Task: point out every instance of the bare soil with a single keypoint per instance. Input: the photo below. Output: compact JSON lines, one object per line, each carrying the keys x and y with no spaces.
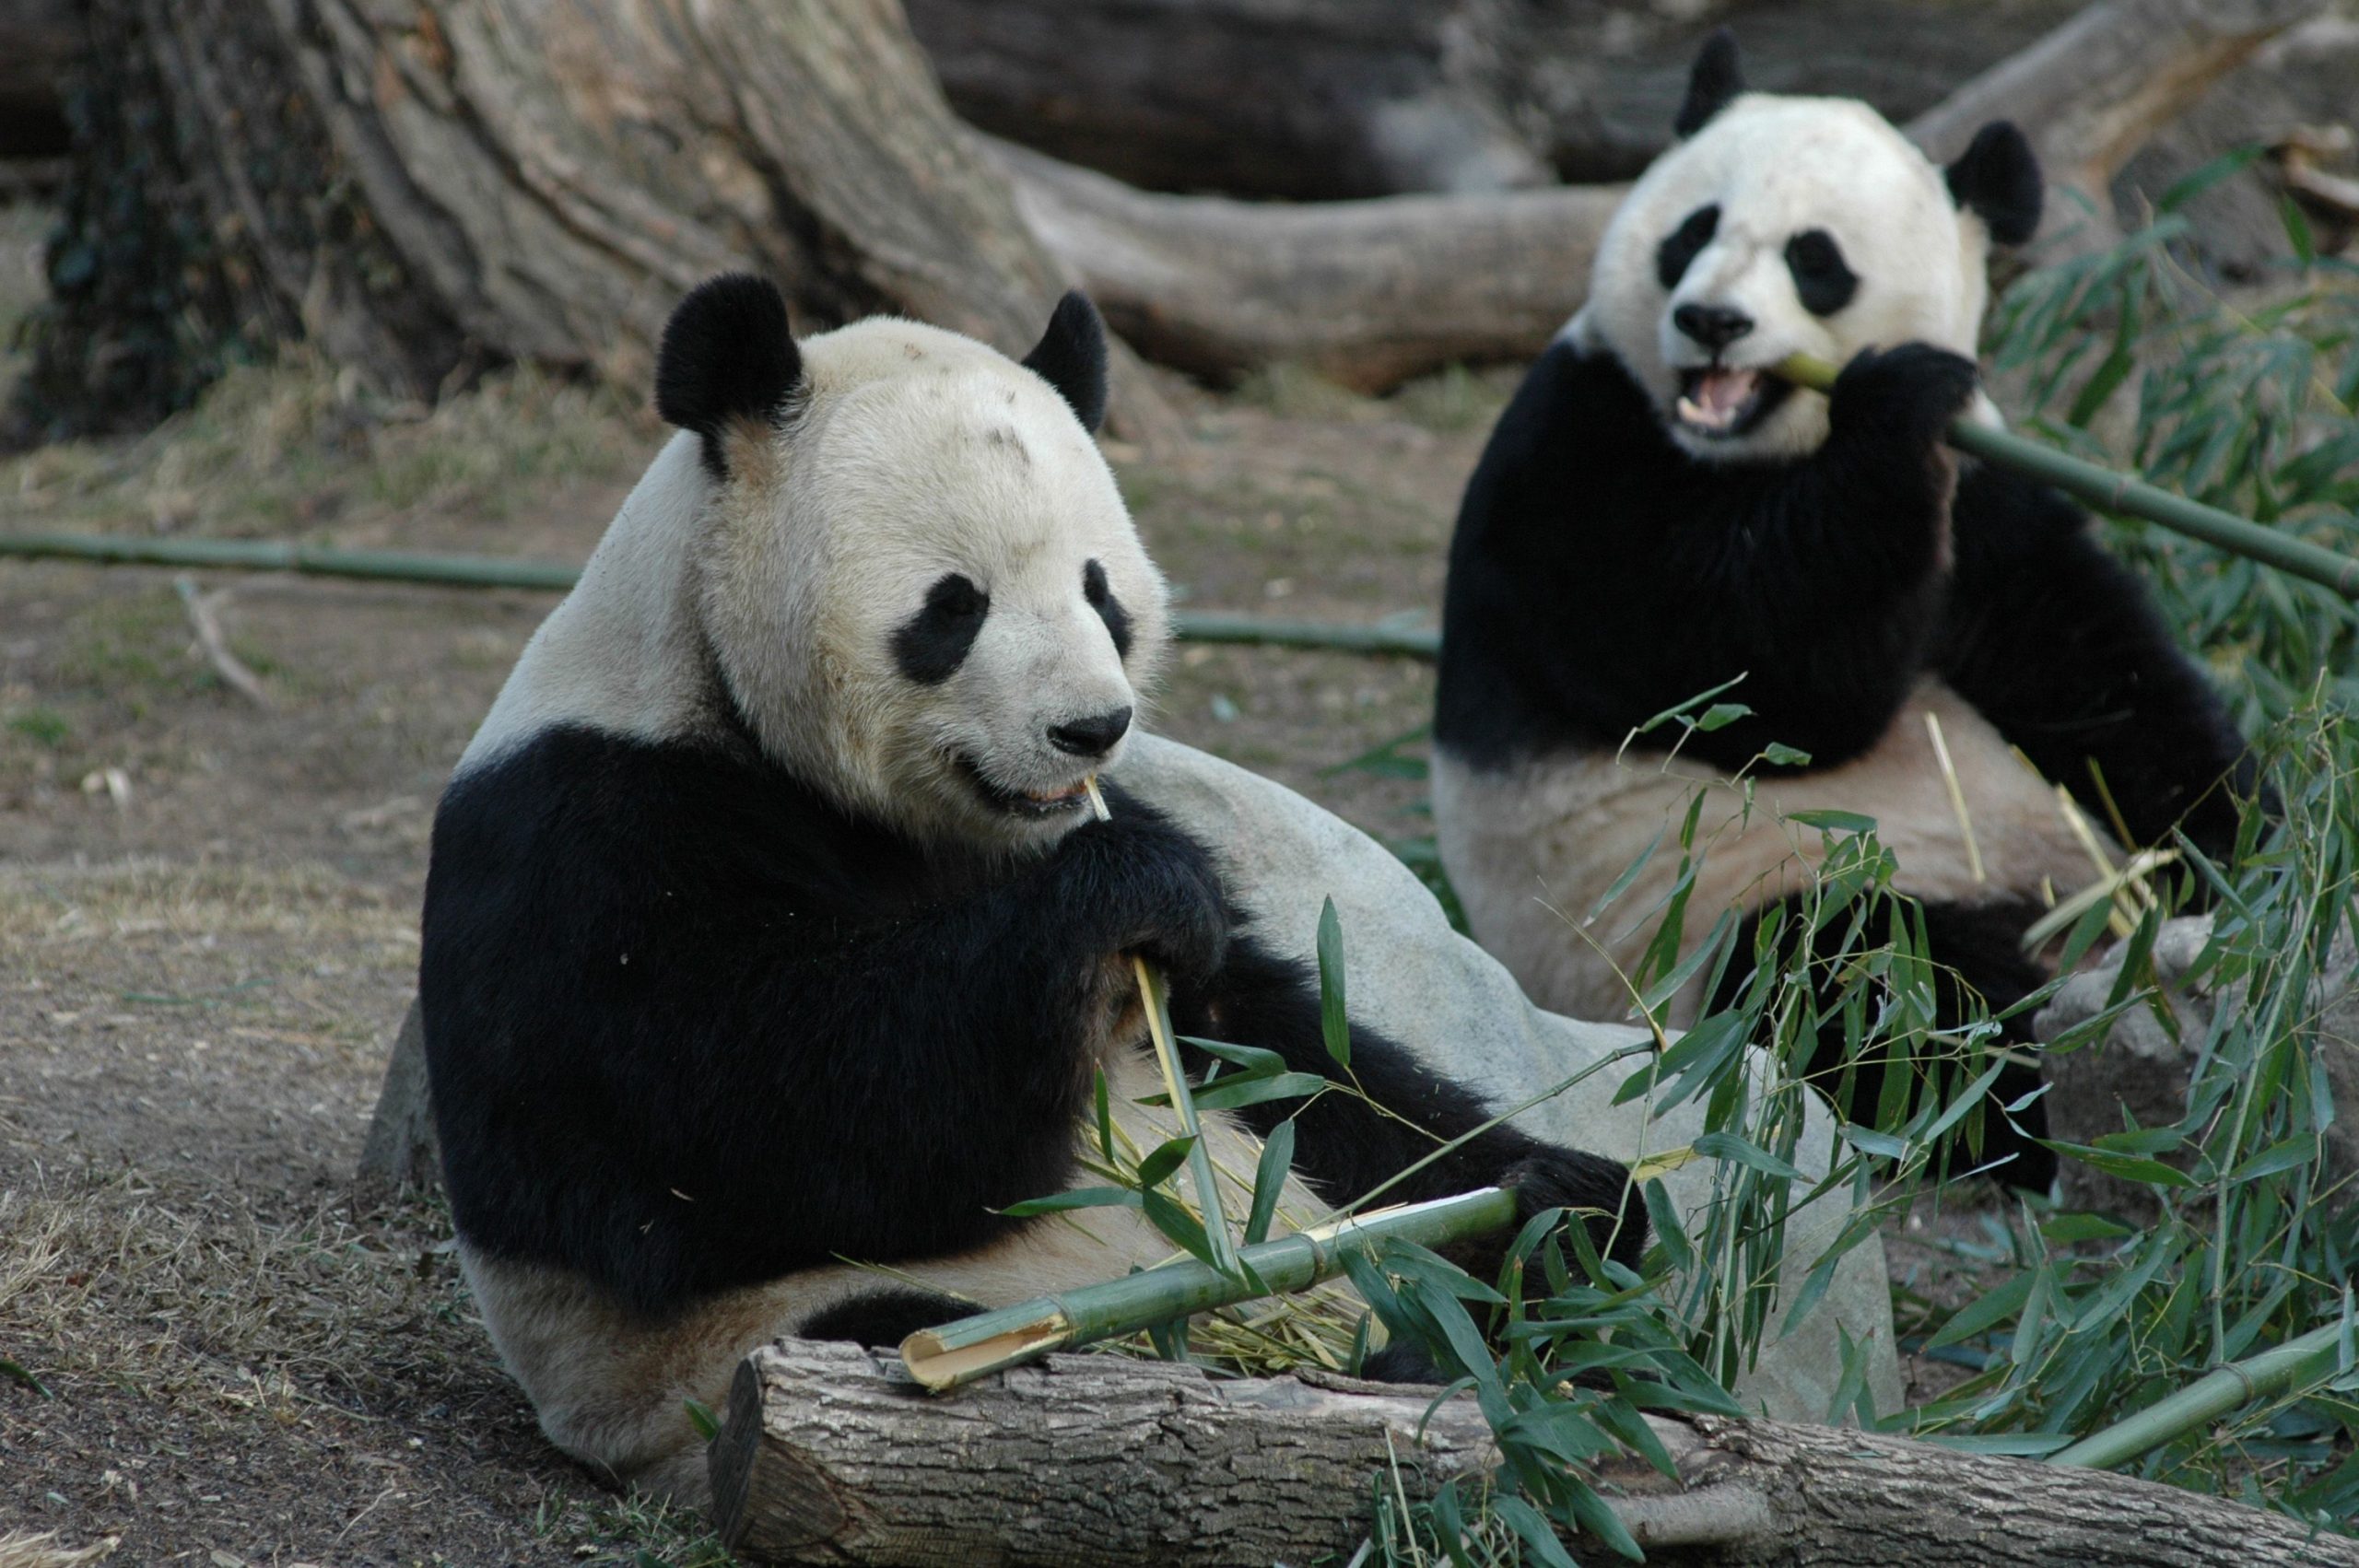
{"x":211,"y":1352}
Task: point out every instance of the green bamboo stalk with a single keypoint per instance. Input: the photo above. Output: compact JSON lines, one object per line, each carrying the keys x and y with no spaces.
{"x":1412,"y":642}
{"x":269,"y":555}
{"x":477,"y":572}
{"x":973,"y":1347}
{"x":2112,"y":492}
{"x":2208,"y":1398}
{"x":1154,"y":997}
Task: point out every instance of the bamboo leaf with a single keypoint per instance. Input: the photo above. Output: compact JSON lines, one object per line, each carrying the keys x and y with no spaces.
{"x":1334,"y":1021}
{"x":1269,"y":1181}
{"x":1232,"y":1093}
{"x":1166,"y":1158}
{"x":1079,"y":1198}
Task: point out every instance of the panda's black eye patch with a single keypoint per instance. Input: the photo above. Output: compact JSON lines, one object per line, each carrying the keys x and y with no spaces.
{"x":932,"y":644}
{"x":1822,"y":279}
{"x":1109,"y":609}
{"x":1687,"y":242}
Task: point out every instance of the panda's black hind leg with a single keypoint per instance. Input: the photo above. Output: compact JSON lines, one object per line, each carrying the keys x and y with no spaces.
{"x":1977,"y":948}
{"x":885,"y":1316}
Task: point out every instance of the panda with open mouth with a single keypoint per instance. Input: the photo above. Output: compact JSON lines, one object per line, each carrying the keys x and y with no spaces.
{"x":769,"y":952}
{"x":1931,"y":642}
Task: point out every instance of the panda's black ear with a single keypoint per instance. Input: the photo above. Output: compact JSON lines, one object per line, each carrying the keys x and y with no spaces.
{"x":1998,"y":179}
{"x":1071,"y":357}
{"x":728,"y":353}
{"x":1714,"y":79}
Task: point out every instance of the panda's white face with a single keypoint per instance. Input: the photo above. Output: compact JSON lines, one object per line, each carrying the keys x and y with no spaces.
{"x":924,"y":591}
{"x":1781,"y":225}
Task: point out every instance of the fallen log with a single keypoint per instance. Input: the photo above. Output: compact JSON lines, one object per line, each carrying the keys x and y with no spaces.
{"x":1371,"y":293}
{"x":1367,"y":293}
{"x":830,"y":1454}
{"x":1300,"y":100}
{"x":2091,"y":93}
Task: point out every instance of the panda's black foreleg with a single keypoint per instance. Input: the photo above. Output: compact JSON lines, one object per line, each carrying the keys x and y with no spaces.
{"x":1346,"y":1147}
{"x":1979,"y":953}
{"x":2059,"y":646}
{"x":885,"y":1316}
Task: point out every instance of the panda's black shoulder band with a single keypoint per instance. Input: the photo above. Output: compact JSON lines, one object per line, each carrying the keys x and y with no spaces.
{"x":728,"y":353}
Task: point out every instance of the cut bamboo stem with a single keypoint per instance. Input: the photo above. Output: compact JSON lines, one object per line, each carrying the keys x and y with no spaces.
{"x":1157,"y":1002}
{"x":2112,"y":492}
{"x":960,"y":1352}
{"x":478,"y":571}
{"x":2216,"y":1393}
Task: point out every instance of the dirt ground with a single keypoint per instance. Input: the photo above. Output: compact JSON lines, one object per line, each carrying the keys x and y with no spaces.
{"x":210,"y":1352}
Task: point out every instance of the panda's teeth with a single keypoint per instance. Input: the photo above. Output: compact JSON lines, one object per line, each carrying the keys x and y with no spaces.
{"x":1705,"y":418}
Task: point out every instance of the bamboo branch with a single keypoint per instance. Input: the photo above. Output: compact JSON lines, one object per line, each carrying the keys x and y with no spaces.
{"x":478,"y":571}
{"x":2112,"y":492}
{"x":1156,"y":1000}
{"x":215,"y":646}
{"x":2223,"y":1389}
{"x":992,"y":1341}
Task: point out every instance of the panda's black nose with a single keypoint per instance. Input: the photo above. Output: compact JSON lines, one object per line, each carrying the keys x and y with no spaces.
{"x":1714,"y":326}
{"x":1091,"y":737}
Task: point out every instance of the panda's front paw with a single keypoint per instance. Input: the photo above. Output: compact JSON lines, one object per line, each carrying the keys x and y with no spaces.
{"x":1159,"y":891}
{"x":1910,"y":393}
{"x":1597,"y":1190}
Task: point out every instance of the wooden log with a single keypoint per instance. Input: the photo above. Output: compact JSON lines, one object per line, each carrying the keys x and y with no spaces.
{"x":1372,"y":293}
{"x":2091,"y":93}
{"x":831,"y":1454}
{"x":1367,"y":293}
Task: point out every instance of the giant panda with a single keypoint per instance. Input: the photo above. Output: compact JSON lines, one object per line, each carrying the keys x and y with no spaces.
{"x":769,"y":938}
{"x":1657,"y":515}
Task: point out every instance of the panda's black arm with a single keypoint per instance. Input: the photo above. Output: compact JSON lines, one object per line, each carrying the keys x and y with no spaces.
{"x":1602,"y":576}
{"x":1345,"y":1147}
{"x":2061,"y":647}
{"x":657,"y":1062}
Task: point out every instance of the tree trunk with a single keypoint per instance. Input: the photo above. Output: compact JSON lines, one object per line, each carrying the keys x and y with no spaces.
{"x":830,"y":1455}
{"x":424,"y":187}
{"x":1304,"y":100}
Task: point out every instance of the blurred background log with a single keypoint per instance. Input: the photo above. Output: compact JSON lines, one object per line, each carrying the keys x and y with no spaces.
{"x":1304,"y":100}
{"x":422,"y":189}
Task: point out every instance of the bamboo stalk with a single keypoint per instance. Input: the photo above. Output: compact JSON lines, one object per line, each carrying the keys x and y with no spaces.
{"x":2112,"y":492}
{"x":1157,"y":1002}
{"x":2216,"y":1393}
{"x":973,"y":1347}
{"x":478,"y":571}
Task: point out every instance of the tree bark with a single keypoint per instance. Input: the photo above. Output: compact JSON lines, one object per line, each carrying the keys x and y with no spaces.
{"x":424,"y":187}
{"x":830,"y":1455}
{"x":2091,"y":93}
{"x":1367,"y":293}
{"x":1302,"y":100}
{"x":1372,"y":293}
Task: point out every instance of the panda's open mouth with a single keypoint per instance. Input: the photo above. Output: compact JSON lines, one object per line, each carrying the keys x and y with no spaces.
{"x":1721,"y":400}
{"x":1024,"y":803}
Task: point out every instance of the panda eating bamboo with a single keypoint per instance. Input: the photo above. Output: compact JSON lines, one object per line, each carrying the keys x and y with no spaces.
{"x":1932,"y":643}
{"x":768,"y":939}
